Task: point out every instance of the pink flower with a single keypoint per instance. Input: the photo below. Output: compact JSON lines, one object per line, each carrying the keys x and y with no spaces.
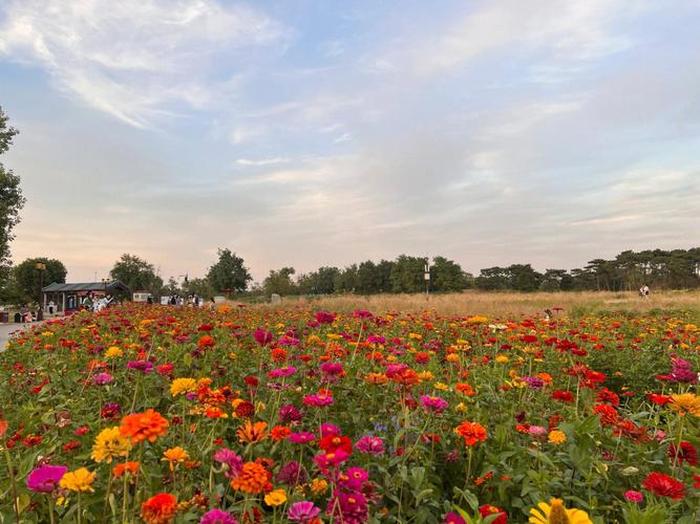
{"x":370,"y":445}
{"x":217,"y":516}
{"x":318,"y":400}
{"x":262,"y":336}
{"x":101,"y":379}
{"x":433,"y":404}
{"x":326,"y":461}
{"x":634,"y":496}
{"x":303,"y":512}
{"x":45,"y":479}
{"x":537,"y":431}
{"x":301,"y":437}
{"x":325,"y":317}
{"x":282,"y":372}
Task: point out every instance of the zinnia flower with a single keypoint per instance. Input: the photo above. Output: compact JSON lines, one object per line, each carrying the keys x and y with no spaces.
{"x":686,"y":452}
{"x":556,"y":437}
{"x":252,"y":432}
{"x":182,"y":385}
{"x":276,"y":497}
{"x":159,"y":509}
{"x":663,"y":485}
{"x":45,"y":479}
{"x":556,"y":513}
{"x":148,"y":425}
{"x":303,"y":512}
{"x":217,"y":516}
{"x":471,"y":432}
{"x":685,"y":403}
{"x":634,"y":496}
{"x":371,"y":445}
{"x":231,"y":460}
{"x":79,"y":480}
{"x":253,"y":478}
{"x":110,"y":444}
{"x":176,"y":455}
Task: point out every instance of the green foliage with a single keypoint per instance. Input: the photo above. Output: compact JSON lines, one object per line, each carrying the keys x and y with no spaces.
{"x":198,"y":286}
{"x":137,"y":274}
{"x":228,"y":274}
{"x":407,"y":275}
{"x":280,"y":282}
{"x":28,"y":279}
{"x":320,"y":282}
{"x":11,"y":201}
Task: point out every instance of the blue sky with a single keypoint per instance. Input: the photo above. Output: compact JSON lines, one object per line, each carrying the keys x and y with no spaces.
{"x":311,"y":133}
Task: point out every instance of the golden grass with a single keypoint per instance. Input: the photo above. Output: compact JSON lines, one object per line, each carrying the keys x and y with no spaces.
{"x":507,"y":304}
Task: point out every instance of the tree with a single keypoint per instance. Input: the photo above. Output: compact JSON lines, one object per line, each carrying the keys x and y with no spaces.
{"x":407,"y":275}
{"x":447,"y":275}
{"x":321,"y":282}
{"x":228,"y":274}
{"x":11,"y":201}
{"x":280,"y":282}
{"x":29,"y":279}
{"x":136,"y":274}
{"x":199,"y":287}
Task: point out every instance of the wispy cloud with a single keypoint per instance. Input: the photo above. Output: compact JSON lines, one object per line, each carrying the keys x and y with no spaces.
{"x":134,"y":59}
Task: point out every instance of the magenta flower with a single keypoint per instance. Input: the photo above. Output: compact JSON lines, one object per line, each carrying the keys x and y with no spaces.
{"x":330,"y":430}
{"x":325,"y":317}
{"x":370,"y":445}
{"x":262,"y":336}
{"x":140,"y":365}
{"x":354,"y":478}
{"x":537,"y":431}
{"x":326,"y":461}
{"x":101,"y":379}
{"x":433,"y":404}
{"x":634,"y":496}
{"x":217,"y":516}
{"x":292,"y":474}
{"x":318,"y":400}
{"x":453,"y":518}
{"x":231,"y":460}
{"x":301,"y":437}
{"x":289,"y":413}
{"x":44,"y":479}
{"x":348,"y":507}
{"x":282,"y":372}
{"x":303,"y":512}
{"x":361,"y":313}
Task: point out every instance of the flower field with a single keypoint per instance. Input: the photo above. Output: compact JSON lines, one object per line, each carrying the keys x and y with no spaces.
{"x":159,"y":414}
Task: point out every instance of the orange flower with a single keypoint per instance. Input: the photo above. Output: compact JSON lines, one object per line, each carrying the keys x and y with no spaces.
{"x":465,"y":389}
{"x":127,"y":467}
{"x":280,"y":433}
{"x":205,"y":341}
{"x":148,"y":425}
{"x":176,"y":455}
{"x":376,"y":378}
{"x":159,"y":509}
{"x":252,"y":432}
{"x":253,"y":479}
{"x":471,"y":432}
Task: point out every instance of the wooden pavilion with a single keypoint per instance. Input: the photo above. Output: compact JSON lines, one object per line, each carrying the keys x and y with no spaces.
{"x":68,"y":297}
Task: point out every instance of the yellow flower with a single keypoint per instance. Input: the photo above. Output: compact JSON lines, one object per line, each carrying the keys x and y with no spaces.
{"x":556,"y":437}
{"x":182,"y":385}
{"x":176,"y":455}
{"x":415,"y":336}
{"x":113,"y":352}
{"x":452,"y":357}
{"x":425,"y":376}
{"x":556,"y":513}
{"x":461,"y":407}
{"x":441,"y":386}
{"x":686,"y":403}
{"x":502,"y":359}
{"x":477,"y":319}
{"x":318,"y":486}
{"x":276,"y":497}
{"x":110,"y":444}
{"x":79,"y":480}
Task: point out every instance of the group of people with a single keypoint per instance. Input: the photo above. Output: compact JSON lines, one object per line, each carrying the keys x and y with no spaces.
{"x":644,"y":291}
{"x":192,"y":299}
{"x":90,"y":303}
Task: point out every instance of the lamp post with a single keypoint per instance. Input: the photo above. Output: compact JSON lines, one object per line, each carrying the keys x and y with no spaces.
{"x":40,"y":267}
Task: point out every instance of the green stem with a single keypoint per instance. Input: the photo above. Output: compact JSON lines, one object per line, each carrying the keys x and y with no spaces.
{"x":13,"y":483}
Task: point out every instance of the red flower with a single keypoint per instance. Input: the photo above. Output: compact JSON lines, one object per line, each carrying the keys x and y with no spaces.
{"x":332,"y":443}
{"x":159,"y":509}
{"x":471,"y":432}
{"x":487,"y":510}
{"x":685,"y":453}
{"x":662,"y":485}
{"x":563,"y":396}
{"x":608,"y":414}
{"x":659,"y":400}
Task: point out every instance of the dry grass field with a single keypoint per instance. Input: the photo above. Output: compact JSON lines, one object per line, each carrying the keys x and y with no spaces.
{"x":507,"y":304}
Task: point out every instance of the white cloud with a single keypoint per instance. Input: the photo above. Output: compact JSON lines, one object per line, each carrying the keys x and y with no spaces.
{"x":133,"y":58}
{"x":261,"y":161}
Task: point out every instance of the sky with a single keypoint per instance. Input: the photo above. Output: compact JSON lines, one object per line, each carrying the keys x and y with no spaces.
{"x":307,"y":133}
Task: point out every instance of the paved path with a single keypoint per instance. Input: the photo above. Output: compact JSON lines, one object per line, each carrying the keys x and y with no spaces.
{"x":6,"y":329}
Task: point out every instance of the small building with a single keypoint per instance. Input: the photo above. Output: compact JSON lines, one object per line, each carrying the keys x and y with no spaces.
{"x":142,"y":296}
{"x":68,"y":297}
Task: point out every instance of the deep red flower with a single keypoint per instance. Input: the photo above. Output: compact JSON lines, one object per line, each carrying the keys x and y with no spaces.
{"x":487,"y":510}
{"x":686,"y":452}
{"x":663,"y":485}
